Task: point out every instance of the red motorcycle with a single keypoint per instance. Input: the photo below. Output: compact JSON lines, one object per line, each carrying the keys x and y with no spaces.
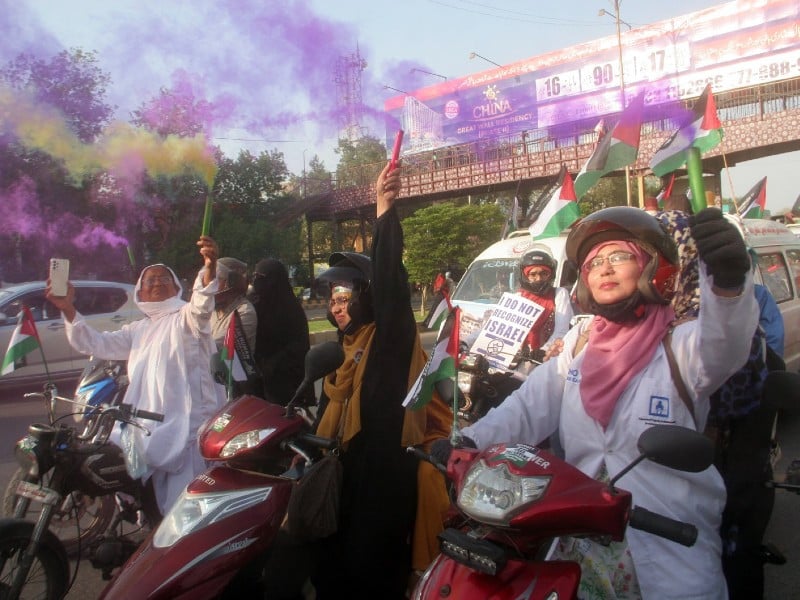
{"x":215,"y":539}
{"x":516,"y":498}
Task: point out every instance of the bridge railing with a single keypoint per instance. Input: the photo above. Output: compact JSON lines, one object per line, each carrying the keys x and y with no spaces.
{"x":539,"y":153}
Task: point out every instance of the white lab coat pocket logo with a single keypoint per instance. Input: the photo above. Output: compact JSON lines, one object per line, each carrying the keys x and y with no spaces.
{"x":659,"y":407}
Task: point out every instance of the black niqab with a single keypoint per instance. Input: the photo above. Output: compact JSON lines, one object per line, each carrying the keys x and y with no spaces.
{"x":282,"y":334}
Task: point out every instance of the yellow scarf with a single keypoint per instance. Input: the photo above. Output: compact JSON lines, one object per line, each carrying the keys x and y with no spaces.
{"x":343,"y":389}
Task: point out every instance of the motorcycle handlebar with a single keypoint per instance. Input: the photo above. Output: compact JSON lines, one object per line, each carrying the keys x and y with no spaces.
{"x":422,"y":455}
{"x":318,"y":441}
{"x":671,"y":529}
{"x":146,"y":414}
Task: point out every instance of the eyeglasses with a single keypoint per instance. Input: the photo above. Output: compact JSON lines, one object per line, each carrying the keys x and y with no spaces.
{"x":151,"y":281}
{"x":538,"y":274}
{"x":614,"y":259}
{"x":341,"y":301}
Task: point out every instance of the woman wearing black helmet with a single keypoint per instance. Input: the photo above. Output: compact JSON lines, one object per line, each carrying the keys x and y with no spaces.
{"x":613,"y":380}
{"x":370,"y":304}
{"x":537,"y":274}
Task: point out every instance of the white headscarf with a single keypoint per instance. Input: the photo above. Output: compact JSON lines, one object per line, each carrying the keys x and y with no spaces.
{"x":156,"y":310}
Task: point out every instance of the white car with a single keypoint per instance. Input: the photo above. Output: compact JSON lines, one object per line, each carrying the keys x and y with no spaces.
{"x":106,"y":305}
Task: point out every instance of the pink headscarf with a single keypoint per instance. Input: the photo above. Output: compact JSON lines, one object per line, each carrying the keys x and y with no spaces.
{"x":616,"y":352}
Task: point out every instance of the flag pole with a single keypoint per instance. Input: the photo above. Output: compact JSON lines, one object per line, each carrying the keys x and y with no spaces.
{"x":44,"y":362}
{"x":41,"y":351}
{"x":455,"y":432}
{"x":230,"y":379}
{"x":694,"y":167}
{"x":207,"y":216}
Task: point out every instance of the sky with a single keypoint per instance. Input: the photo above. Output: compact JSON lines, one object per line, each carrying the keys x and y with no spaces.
{"x":267,"y":66}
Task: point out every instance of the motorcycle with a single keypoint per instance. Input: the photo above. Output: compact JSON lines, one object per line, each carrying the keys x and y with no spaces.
{"x":483,"y":387}
{"x":516,"y":498}
{"x":81,"y":518}
{"x":216,"y":538}
{"x":59,"y":460}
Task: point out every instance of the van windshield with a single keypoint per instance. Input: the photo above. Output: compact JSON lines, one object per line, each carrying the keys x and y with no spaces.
{"x":486,"y":280}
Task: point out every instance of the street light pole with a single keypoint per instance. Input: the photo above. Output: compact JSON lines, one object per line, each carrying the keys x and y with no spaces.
{"x":388,"y":87}
{"x":475,"y":54}
{"x":428,"y":73}
{"x":618,"y":21}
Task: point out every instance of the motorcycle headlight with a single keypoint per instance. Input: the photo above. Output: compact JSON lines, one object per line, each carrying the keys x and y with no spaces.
{"x":493,"y":495}
{"x":26,"y":455}
{"x":245,"y":440}
{"x":194,"y":511}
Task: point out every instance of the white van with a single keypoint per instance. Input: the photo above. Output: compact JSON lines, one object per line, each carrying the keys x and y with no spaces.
{"x":496,"y":270}
{"x":778,"y":251}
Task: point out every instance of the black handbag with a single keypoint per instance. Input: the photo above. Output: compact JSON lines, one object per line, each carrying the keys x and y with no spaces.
{"x":313,"y":511}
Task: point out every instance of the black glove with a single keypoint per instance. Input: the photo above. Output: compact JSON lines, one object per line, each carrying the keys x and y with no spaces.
{"x":721,"y":247}
{"x":442,"y":448}
{"x":530,"y":354}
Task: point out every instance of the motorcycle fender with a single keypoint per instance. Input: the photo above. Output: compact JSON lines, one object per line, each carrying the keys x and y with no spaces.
{"x":202,"y":563}
{"x":521,"y":580}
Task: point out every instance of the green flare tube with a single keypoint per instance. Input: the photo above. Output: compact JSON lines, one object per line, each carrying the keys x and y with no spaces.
{"x":130,"y":257}
{"x":207,"y":216}
{"x":694,"y":166}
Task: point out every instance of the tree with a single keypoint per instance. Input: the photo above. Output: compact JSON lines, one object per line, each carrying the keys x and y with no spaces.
{"x":360,"y":161}
{"x":72,"y":82}
{"x":445,"y":235}
{"x":175,"y":111}
{"x":249,"y":193}
{"x":251,"y":180}
{"x":61,"y":218}
{"x":608,"y":191}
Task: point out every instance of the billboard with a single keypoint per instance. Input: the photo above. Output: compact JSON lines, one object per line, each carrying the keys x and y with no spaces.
{"x":730,"y":46}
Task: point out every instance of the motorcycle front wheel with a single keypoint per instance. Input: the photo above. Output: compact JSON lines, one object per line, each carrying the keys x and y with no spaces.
{"x":48,"y":576}
{"x":92,"y":515}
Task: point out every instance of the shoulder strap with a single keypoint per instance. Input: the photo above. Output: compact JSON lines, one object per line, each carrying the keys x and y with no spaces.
{"x":676,"y":374}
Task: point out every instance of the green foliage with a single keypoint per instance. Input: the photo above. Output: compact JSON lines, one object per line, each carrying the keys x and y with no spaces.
{"x":174,"y":112}
{"x":316,"y":179}
{"x":71,"y":81}
{"x":248,"y":194}
{"x":445,"y":235}
{"x":608,"y":191}
{"x":360,"y":162}
{"x":251,"y":180}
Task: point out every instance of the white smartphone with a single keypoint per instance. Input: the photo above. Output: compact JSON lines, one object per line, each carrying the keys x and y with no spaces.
{"x":59,"y":276}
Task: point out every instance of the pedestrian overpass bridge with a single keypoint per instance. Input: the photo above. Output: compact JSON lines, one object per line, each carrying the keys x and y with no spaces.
{"x":758,"y":121}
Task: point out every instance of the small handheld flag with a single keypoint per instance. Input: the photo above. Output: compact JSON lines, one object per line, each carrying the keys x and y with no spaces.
{"x":24,"y":340}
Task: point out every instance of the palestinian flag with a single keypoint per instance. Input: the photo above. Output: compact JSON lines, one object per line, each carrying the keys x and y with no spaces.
{"x":559,"y":213}
{"x":235,"y":353}
{"x":511,"y":223}
{"x":441,"y":311}
{"x":702,"y":130}
{"x":442,"y":364}
{"x":754,"y":203}
{"x":616,"y":150}
{"x":666,"y":192}
{"x":24,"y":340}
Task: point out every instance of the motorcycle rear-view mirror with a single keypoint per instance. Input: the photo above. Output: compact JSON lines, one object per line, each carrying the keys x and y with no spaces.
{"x":321,"y":359}
{"x":672,"y":446}
{"x":677,"y":448}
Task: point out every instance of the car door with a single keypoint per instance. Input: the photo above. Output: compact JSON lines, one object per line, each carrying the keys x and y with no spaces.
{"x":50,"y":329}
{"x":104,"y":308}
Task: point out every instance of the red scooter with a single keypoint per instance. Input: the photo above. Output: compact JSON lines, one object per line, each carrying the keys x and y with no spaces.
{"x":516,"y":498}
{"x":215,"y":539}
